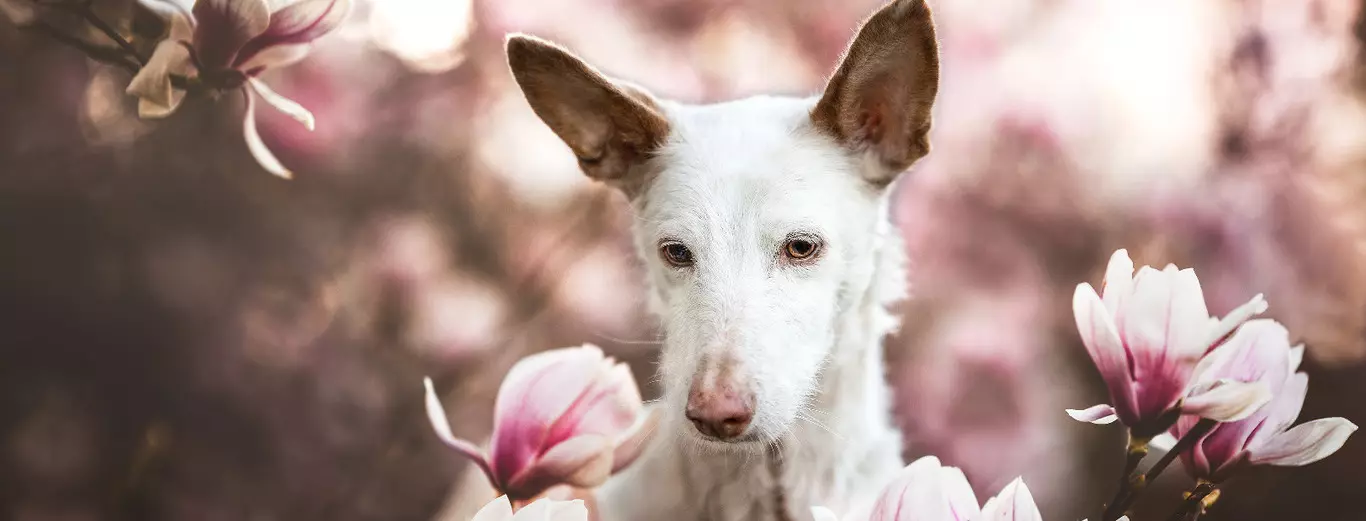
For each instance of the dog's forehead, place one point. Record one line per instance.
(742, 156)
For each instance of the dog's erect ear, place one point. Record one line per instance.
(611, 127)
(878, 101)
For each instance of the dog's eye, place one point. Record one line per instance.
(676, 253)
(801, 249)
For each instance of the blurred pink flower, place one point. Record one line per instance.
(928, 491)
(226, 44)
(1147, 336)
(1261, 351)
(567, 416)
(542, 510)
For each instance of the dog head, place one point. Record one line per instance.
(756, 218)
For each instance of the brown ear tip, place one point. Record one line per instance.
(911, 8)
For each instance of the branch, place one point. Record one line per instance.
(98, 53)
(83, 9)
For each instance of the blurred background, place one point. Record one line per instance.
(184, 336)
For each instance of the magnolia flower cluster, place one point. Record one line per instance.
(1168, 365)
(928, 491)
(569, 416)
(225, 45)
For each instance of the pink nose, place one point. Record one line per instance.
(723, 414)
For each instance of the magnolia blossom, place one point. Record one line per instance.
(227, 44)
(541, 510)
(567, 416)
(928, 491)
(1147, 335)
(1261, 351)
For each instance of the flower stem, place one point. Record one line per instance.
(1182, 445)
(1130, 480)
(1203, 427)
(1195, 503)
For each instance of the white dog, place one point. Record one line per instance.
(771, 261)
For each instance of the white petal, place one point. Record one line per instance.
(1227, 400)
(1102, 414)
(283, 104)
(1296, 357)
(1014, 503)
(497, 510)
(1119, 280)
(436, 414)
(1304, 444)
(1241, 314)
(257, 147)
(152, 85)
(1097, 330)
(823, 514)
(1162, 442)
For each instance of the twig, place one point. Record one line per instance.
(1128, 481)
(1203, 427)
(86, 13)
(1199, 431)
(98, 53)
(1195, 502)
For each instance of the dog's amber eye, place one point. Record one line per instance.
(676, 253)
(801, 249)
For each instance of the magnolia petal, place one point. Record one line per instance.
(823, 514)
(958, 494)
(1119, 280)
(283, 104)
(1162, 442)
(1190, 318)
(497, 510)
(1014, 503)
(1102, 342)
(1296, 357)
(553, 510)
(157, 98)
(1102, 414)
(633, 443)
(1304, 444)
(436, 414)
(1283, 410)
(298, 23)
(1227, 400)
(224, 26)
(584, 462)
(532, 410)
(258, 148)
(1235, 318)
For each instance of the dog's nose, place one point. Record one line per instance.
(722, 415)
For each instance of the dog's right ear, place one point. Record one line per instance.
(610, 127)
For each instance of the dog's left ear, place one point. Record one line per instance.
(878, 102)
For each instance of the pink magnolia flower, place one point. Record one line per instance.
(1261, 351)
(567, 416)
(227, 44)
(1147, 335)
(928, 491)
(541, 510)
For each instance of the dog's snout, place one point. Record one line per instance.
(724, 414)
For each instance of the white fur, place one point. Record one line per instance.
(732, 182)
